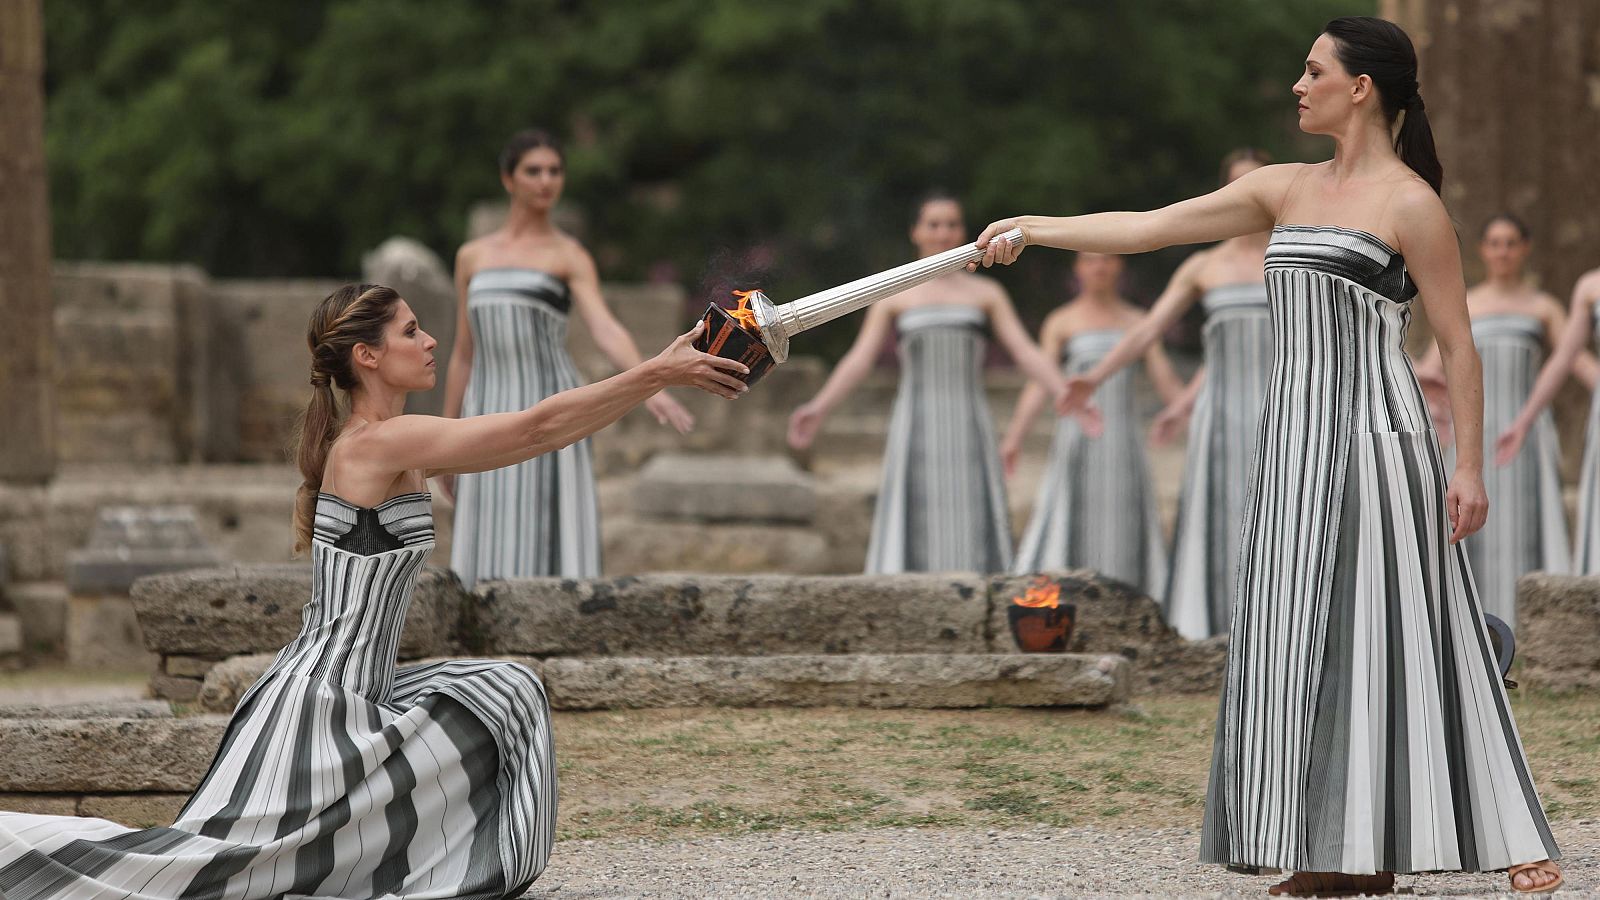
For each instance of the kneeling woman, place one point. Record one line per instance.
(340, 774)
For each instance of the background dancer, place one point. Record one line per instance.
(1225, 399)
(341, 775)
(1513, 325)
(1364, 728)
(514, 290)
(1096, 506)
(942, 503)
(1569, 357)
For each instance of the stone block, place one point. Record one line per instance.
(1558, 631)
(10, 634)
(39, 804)
(723, 488)
(227, 681)
(175, 688)
(188, 666)
(701, 615)
(130, 542)
(149, 810)
(41, 609)
(638, 546)
(103, 633)
(107, 755)
(94, 709)
(253, 609)
(917, 681)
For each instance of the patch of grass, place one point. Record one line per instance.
(657, 773)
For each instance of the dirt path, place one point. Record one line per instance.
(961, 862)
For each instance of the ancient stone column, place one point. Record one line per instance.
(1513, 94)
(27, 430)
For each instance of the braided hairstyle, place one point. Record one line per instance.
(354, 314)
(1381, 50)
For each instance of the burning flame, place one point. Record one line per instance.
(1044, 593)
(744, 315)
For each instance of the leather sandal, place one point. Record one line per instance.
(1547, 866)
(1334, 884)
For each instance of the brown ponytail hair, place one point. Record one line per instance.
(354, 314)
(1382, 51)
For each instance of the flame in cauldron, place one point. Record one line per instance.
(1044, 593)
(744, 315)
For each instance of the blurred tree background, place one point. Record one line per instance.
(709, 141)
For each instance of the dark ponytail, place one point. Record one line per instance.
(1381, 50)
(354, 314)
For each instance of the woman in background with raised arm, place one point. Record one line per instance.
(942, 504)
(1513, 325)
(1569, 358)
(1096, 507)
(341, 775)
(1224, 398)
(1364, 728)
(514, 290)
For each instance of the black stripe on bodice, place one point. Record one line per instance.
(401, 521)
(527, 284)
(1349, 253)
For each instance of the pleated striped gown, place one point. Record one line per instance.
(1586, 555)
(942, 501)
(339, 775)
(1527, 526)
(540, 517)
(1096, 507)
(1221, 453)
(1363, 726)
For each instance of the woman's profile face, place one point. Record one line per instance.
(405, 361)
(538, 178)
(1504, 250)
(1324, 90)
(939, 227)
(1097, 273)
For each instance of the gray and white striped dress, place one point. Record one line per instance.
(538, 517)
(1586, 555)
(339, 775)
(1527, 526)
(942, 501)
(1096, 507)
(1221, 453)
(1364, 726)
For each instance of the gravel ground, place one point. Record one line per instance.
(966, 863)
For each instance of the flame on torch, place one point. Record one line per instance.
(744, 315)
(1044, 593)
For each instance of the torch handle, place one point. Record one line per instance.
(825, 306)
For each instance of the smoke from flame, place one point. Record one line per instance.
(1044, 593)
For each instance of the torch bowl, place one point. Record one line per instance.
(1042, 629)
(726, 338)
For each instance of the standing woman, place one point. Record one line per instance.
(1583, 318)
(1225, 399)
(1512, 325)
(514, 290)
(1096, 507)
(341, 775)
(942, 503)
(1364, 729)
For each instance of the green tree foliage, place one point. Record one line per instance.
(288, 138)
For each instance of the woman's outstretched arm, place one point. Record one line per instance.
(851, 369)
(1247, 205)
(479, 443)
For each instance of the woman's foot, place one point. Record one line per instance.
(1535, 878)
(1333, 884)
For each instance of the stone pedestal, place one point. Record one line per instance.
(128, 542)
